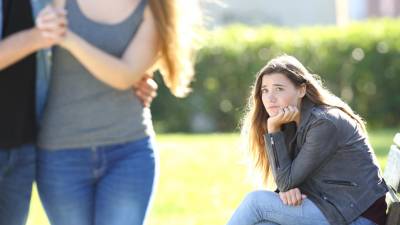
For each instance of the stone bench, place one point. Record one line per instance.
(392, 178)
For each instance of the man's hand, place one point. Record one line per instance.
(51, 24)
(146, 90)
(293, 197)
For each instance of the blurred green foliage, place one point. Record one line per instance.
(360, 63)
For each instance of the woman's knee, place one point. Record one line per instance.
(257, 198)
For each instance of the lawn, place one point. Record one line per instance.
(203, 178)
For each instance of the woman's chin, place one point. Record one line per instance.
(272, 113)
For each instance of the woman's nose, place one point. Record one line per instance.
(271, 97)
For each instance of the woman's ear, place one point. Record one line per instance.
(302, 90)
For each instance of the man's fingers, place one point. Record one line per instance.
(148, 87)
(51, 15)
(152, 84)
(144, 99)
(50, 35)
(60, 11)
(60, 21)
(140, 96)
(46, 17)
(147, 91)
(48, 26)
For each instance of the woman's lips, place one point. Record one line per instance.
(273, 107)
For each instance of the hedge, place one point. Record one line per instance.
(359, 62)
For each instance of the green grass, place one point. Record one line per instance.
(203, 178)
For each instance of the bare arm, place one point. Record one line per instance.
(21, 44)
(120, 73)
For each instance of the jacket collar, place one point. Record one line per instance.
(306, 109)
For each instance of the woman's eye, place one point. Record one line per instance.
(279, 89)
(263, 91)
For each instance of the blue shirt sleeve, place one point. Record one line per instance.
(1, 19)
(43, 60)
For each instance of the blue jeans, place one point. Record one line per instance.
(107, 185)
(17, 172)
(266, 208)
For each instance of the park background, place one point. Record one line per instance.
(354, 45)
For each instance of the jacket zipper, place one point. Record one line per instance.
(275, 154)
(341, 182)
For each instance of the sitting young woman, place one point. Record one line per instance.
(317, 150)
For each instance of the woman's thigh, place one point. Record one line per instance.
(66, 186)
(265, 207)
(124, 191)
(362, 221)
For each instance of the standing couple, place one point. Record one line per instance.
(93, 153)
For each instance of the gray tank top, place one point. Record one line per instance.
(82, 111)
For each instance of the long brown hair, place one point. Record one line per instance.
(176, 28)
(254, 124)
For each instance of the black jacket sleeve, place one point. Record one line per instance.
(320, 143)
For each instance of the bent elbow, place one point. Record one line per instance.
(124, 84)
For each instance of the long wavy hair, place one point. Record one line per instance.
(254, 123)
(176, 23)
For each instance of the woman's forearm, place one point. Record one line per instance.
(115, 72)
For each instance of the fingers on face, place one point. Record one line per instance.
(289, 112)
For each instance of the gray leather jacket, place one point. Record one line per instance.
(329, 159)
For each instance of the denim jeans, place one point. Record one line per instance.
(266, 208)
(17, 172)
(107, 185)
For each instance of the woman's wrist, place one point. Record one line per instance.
(68, 40)
(273, 128)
